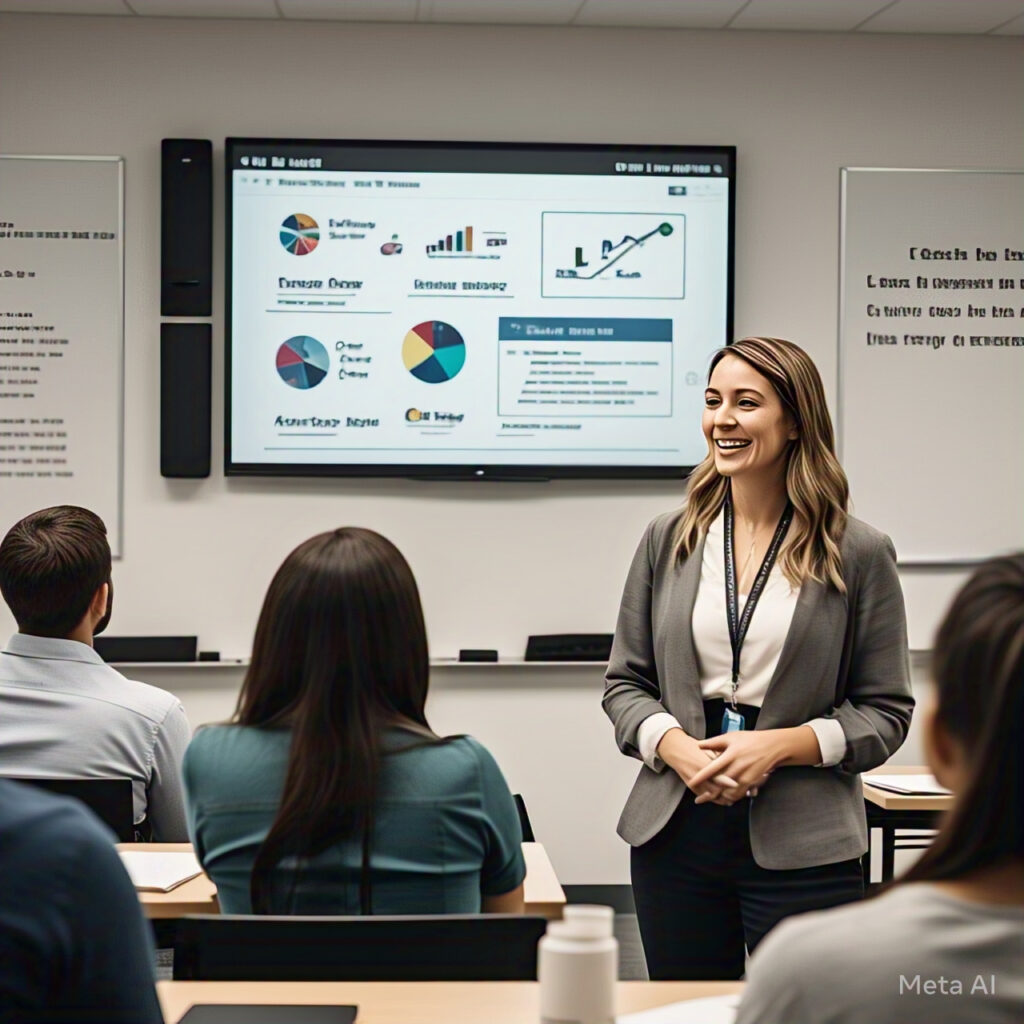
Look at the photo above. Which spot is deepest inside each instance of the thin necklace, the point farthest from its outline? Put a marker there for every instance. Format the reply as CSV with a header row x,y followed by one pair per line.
x,y
750,555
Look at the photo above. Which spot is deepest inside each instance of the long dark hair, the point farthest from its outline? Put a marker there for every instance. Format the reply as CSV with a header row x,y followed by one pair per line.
x,y
340,651
978,667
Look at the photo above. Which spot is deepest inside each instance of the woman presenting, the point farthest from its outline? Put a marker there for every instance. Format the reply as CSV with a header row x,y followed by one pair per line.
x,y
760,663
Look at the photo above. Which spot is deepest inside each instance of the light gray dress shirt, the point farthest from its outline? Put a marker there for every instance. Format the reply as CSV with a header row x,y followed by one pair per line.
x,y
65,713
912,954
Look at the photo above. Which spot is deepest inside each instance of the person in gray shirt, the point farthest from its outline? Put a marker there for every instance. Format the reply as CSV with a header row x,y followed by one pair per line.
x,y
945,944
64,712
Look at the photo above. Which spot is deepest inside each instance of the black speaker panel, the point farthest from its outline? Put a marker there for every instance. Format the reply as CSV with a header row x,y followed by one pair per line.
x,y
569,647
185,351
146,648
186,227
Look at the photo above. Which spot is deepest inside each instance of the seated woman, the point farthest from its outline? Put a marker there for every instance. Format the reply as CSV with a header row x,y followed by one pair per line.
x,y
328,793
946,943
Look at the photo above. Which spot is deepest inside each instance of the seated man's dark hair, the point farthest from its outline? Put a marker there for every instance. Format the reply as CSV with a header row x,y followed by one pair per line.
x,y
52,563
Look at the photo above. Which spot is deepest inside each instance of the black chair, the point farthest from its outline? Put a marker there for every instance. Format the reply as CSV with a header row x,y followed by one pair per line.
x,y
109,799
524,819
442,947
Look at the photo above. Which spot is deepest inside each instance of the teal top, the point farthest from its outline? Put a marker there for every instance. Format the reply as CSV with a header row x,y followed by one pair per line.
x,y
446,829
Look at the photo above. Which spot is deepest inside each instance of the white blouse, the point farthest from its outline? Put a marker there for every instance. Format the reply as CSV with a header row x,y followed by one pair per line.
x,y
765,635
762,646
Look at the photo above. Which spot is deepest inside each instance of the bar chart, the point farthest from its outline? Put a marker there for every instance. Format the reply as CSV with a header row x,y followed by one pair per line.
x,y
465,243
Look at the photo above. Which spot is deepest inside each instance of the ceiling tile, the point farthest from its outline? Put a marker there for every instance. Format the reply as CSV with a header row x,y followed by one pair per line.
x,y
65,6
506,12
659,13
205,8
944,16
349,10
1011,28
806,15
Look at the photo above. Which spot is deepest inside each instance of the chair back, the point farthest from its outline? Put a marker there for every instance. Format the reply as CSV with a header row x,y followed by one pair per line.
x,y
524,819
109,799
441,947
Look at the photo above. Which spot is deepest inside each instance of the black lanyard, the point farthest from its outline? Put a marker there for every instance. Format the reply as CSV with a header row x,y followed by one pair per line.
x,y
738,624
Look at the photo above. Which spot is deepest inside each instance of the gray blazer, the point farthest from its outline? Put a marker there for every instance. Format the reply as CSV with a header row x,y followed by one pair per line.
x,y
845,657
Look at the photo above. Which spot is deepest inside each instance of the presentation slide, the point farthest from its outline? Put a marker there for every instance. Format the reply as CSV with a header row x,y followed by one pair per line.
x,y
473,309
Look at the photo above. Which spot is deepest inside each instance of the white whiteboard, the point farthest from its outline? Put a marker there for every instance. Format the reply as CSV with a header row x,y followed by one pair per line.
x,y
931,358
61,336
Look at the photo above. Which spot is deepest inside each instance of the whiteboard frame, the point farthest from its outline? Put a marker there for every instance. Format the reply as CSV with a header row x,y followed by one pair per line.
x,y
117,540
924,562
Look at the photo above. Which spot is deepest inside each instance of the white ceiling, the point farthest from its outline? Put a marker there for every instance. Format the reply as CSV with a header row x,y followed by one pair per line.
x,y
958,17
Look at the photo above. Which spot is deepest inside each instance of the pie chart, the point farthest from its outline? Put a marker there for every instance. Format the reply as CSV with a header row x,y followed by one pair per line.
x,y
300,234
302,362
433,351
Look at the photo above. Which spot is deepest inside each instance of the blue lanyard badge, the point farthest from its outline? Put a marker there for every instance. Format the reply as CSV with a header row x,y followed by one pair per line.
x,y
733,721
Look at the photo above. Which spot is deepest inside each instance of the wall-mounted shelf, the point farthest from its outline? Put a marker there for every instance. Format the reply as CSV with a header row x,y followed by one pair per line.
x,y
434,663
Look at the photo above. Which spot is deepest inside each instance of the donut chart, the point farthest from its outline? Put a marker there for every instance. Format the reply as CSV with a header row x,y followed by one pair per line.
x,y
300,234
302,362
433,352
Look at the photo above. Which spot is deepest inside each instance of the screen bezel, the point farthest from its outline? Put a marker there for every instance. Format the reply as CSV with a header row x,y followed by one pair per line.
x,y
726,155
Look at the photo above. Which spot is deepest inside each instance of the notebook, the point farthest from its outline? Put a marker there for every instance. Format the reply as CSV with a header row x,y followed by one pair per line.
x,y
228,1013
916,785
159,872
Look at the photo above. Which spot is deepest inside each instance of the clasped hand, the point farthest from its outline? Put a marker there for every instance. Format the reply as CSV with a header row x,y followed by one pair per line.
x,y
683,755
746,757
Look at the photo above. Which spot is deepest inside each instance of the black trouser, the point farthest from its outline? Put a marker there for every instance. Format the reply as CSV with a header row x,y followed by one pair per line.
x,y
700,896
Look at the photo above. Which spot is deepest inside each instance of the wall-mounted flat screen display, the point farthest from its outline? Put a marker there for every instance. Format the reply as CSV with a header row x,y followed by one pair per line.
x,y
473,310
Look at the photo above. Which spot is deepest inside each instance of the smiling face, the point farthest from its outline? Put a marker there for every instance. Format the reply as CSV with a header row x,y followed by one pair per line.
x,y
746,425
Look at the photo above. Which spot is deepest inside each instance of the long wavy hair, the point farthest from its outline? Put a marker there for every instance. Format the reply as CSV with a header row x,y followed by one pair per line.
x,y
815,482
978,668
340,652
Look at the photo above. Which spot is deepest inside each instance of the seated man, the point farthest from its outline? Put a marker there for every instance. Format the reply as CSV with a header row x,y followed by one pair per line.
x,y
74,946
64,712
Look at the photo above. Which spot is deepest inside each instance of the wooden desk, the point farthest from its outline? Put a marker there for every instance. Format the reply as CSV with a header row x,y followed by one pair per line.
x,y
890,801
892,811
542,891
544,894
196,896
430,1002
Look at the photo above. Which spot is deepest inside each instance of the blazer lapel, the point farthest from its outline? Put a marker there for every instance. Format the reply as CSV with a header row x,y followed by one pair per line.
x,y
689,581
808,606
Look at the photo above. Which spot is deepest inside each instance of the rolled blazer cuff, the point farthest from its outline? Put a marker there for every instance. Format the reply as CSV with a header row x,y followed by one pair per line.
x,y
649,736
831,740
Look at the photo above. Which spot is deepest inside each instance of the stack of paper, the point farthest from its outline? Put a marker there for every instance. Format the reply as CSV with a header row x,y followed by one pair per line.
x,y
159,872
911,785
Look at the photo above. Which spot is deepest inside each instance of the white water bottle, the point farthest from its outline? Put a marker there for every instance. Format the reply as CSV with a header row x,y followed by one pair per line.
x,y
578,966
